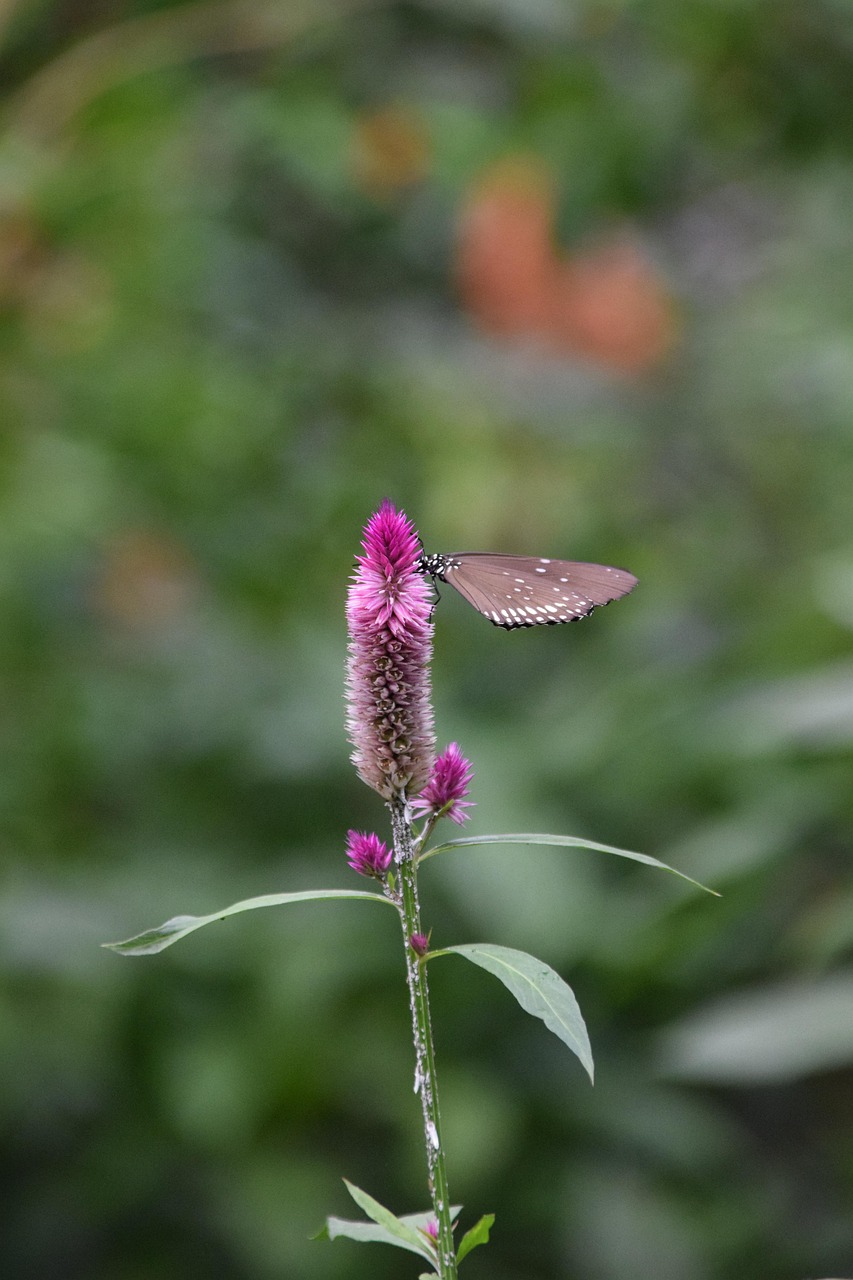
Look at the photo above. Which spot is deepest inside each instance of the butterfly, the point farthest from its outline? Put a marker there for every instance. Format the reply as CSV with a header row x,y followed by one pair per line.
x,y
527,591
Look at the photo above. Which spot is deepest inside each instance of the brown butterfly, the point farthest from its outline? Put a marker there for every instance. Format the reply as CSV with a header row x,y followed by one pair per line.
x,y
527,591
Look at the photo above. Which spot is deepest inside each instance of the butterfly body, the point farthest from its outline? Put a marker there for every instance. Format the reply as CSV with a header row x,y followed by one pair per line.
x,y
527,591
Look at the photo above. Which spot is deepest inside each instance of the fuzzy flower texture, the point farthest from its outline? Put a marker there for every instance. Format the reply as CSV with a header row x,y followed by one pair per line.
x,y
367,854
447,788
389,713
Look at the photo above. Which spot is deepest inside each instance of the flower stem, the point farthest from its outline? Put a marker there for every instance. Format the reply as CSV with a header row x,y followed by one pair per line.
x,y
425,1077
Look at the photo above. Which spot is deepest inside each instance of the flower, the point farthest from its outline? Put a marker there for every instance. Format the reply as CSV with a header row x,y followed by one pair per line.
x,y
419,943
446,790
367,854
389,715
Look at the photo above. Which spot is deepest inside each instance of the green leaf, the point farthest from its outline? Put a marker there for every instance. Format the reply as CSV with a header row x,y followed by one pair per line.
x,y
154,940
770,1034
537,988
372,1233
384,1227
479,1234
567,842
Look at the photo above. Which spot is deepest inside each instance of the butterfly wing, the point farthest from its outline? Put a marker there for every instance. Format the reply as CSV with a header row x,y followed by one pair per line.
x,y
528,591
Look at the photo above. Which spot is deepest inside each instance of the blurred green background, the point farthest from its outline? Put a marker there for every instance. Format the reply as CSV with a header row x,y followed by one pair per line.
x,y
570,279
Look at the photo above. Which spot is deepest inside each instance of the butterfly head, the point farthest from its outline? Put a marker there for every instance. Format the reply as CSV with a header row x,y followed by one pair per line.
x,y
434,566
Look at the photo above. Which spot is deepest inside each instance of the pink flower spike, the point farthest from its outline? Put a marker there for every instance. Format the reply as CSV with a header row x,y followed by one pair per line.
x,y
389,714
419,943
446,790
367,854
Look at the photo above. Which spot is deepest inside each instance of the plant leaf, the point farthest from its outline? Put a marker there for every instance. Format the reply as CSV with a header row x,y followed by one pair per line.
x,y
369,1233
537,988
479,1234
384,1227
154,940
566,842
387,1228
769,1034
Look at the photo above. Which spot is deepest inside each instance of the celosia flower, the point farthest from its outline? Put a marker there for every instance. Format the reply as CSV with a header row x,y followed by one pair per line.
x,y
447,788
389,716
367,854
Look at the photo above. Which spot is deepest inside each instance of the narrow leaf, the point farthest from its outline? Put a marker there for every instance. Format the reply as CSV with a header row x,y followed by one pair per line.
x,y
374,1233
770,1034
395,1230
479,1234
367,1233
567,842
537,988
154,940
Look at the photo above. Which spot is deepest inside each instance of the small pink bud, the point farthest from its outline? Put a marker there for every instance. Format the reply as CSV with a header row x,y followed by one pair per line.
x,y
367,854
446,790
419,943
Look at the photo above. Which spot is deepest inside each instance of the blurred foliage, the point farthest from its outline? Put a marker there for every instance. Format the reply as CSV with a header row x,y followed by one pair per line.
x,y
558,278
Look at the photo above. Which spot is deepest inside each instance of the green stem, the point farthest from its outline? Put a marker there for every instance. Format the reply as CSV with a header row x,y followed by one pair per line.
x,y
426,1084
